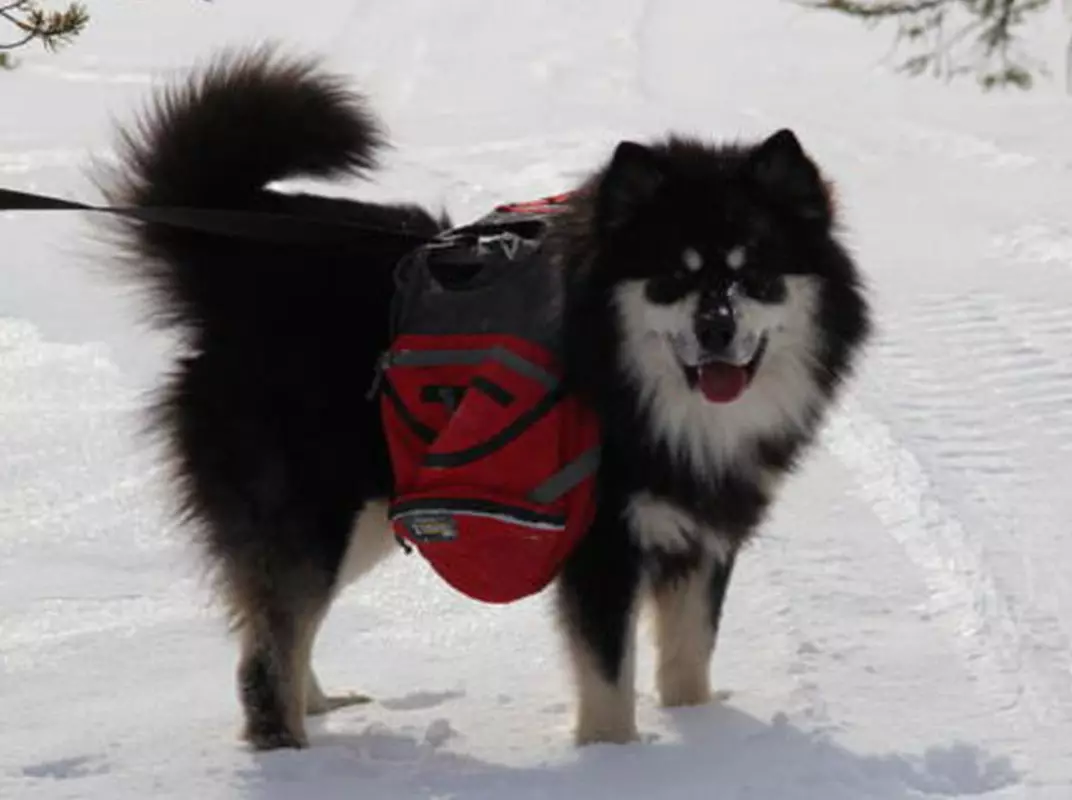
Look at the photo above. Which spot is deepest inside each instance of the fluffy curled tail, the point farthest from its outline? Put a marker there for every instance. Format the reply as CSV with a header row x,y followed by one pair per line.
x,y
241,122
214,142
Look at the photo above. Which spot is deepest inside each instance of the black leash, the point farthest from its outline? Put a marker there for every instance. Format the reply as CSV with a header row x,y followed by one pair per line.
x,y
259,225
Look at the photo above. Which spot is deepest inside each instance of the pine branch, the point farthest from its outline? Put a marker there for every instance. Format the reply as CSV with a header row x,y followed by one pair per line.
x,y
52,28
878,10
985,35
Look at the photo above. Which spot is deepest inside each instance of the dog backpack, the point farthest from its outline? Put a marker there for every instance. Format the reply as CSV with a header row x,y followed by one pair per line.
x,y
494,463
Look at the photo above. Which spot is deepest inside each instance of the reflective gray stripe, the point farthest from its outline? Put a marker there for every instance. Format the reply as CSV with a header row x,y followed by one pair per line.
x,y
442,358
525,523
458,506
566,478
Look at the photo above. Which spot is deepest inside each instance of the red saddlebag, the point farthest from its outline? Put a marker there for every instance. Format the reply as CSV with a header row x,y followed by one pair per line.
x,y
494,462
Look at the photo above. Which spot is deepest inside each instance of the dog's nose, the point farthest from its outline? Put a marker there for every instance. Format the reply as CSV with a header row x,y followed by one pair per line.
x,y
716,327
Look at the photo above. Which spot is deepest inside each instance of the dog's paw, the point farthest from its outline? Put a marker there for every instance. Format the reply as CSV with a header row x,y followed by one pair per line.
x,y
323,704
688,693
684,696
265,738
606,735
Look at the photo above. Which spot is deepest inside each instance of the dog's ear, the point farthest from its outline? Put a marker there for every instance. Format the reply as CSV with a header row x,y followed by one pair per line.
x,y
632,178
785,172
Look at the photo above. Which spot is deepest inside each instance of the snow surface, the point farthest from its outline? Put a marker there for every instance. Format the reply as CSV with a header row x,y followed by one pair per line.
x,y
903,628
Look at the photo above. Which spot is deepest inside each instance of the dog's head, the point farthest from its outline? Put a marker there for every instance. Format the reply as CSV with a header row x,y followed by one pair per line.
x,y
717,261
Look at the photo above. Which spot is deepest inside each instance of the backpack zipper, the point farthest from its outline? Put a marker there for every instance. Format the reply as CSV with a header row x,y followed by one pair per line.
x,y
383,363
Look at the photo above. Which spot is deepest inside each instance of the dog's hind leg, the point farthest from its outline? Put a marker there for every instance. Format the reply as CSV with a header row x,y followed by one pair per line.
x,y
597,598
279,577
280,600
370,542
316,701
277,501
688,609
277,621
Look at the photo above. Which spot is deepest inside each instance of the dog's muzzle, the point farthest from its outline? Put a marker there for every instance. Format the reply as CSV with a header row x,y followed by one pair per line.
x,y
718,357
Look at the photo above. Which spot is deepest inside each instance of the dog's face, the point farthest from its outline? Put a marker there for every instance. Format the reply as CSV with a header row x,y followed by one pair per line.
x,y
709,258
734,313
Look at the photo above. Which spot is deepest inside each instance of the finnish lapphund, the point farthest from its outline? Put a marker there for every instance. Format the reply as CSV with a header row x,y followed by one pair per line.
x,y
710,317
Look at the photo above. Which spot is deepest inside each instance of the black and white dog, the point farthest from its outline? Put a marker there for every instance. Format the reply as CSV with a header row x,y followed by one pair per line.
x,y
710,317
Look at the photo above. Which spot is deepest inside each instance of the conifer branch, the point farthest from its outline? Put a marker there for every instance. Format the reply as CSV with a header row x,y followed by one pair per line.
x,y
52,28
983,38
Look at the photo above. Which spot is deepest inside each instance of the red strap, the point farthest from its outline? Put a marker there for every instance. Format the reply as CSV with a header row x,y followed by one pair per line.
x,y
549,203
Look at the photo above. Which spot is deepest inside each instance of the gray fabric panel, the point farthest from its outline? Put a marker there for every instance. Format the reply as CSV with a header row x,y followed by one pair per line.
x,y
519,296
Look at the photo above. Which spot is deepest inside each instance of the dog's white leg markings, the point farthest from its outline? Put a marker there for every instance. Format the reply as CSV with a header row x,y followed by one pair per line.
x,y
685,638
303,656
607,712
316,702
371,541
658,525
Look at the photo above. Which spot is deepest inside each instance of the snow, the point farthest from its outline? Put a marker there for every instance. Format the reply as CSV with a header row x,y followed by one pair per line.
x,y
903,628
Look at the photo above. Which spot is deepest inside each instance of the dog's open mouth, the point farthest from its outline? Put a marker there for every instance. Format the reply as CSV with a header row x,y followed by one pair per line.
x,y
723,381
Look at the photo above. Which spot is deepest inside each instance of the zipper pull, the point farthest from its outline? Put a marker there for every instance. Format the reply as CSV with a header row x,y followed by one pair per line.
x,y
383,363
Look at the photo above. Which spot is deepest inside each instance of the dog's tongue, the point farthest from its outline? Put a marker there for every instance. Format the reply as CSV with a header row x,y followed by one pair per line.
x,y
722,383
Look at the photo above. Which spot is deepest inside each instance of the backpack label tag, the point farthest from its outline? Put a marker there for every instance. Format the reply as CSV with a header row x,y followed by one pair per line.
x,y
432,527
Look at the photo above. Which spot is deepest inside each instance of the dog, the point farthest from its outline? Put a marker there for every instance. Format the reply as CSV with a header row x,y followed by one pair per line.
x,y
710,318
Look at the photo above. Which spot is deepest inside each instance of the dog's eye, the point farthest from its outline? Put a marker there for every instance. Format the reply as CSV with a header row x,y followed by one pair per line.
x,y
665,289
692,260
766,287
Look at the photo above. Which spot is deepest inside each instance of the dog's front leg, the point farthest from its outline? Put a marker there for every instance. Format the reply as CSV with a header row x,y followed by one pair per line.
x,y
597,596
688,609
